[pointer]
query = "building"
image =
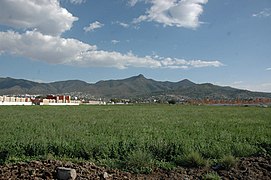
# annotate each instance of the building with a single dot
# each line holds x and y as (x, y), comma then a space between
(48, 100)
(7, 100)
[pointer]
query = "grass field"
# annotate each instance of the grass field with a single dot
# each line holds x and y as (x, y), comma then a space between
(134, 137)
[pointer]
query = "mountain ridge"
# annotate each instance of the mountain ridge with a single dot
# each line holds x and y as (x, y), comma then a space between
(132, 87)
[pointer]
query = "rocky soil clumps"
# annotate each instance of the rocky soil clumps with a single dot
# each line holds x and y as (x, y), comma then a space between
(246, 168)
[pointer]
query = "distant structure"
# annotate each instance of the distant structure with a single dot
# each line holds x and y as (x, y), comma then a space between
(93, 102)
(7, 100)
(58, 100)
(48, 100)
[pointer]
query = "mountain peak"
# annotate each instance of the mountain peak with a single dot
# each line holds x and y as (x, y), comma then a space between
(186, 82)
(141, 76)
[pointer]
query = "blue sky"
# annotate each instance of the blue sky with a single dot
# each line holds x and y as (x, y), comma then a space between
(225, 42)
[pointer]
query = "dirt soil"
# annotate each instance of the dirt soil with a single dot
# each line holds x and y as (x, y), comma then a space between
(246, 168)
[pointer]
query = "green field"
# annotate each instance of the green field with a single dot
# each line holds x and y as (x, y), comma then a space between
(133, 136)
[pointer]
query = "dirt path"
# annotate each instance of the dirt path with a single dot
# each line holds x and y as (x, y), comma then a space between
(247, 168)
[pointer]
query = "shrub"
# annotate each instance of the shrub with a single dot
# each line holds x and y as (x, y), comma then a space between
(193, 159)
(139, 162)
(228, 161)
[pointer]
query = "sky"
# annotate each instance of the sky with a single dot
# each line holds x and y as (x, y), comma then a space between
(225, 42)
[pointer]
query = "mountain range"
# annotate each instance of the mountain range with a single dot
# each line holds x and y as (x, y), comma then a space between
(133, 87)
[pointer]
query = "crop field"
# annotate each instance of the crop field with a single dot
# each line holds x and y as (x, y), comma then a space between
(134, 137)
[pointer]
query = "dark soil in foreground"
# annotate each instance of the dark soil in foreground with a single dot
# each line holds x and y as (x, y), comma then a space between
(246, 168)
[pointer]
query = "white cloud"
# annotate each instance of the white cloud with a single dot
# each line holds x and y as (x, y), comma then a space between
(238, 82)
(77, 1)
(125, 25)
(265, 87)
(268, 69)
(44, 21)
(263, 13)
(132, 2)
(259, 87)
(93, 26)
(115, 41)
(45, 16)
(250, 86)
(57, 50)
(179, 13)
(51, 49)
(184, 64)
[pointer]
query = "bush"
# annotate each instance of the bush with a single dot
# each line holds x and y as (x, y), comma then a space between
(140, 162)
(228, 162)
(194, 159)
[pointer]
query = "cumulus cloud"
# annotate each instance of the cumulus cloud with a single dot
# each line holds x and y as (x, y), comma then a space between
(45, 16)
(268, 69)
(57, 50)
(263, 13)
(93, 26)
(35, 45)
(179, 13)
(43, 21)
